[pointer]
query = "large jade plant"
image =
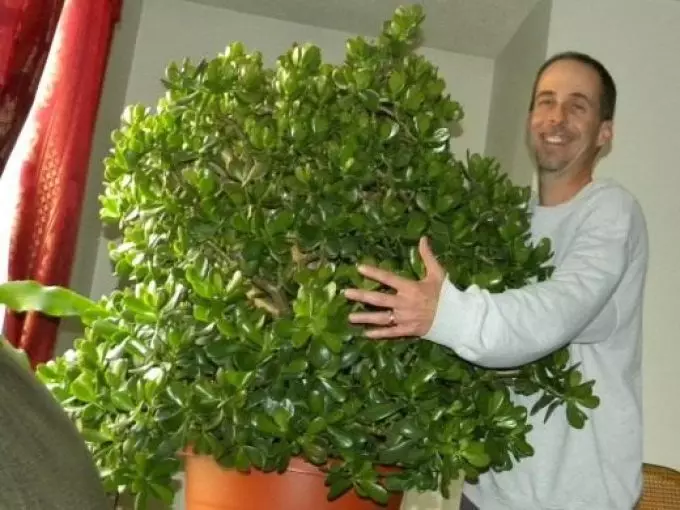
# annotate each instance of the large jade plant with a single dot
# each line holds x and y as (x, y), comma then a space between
(245, 201)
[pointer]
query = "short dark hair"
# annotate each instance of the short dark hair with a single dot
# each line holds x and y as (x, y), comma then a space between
(608, 96)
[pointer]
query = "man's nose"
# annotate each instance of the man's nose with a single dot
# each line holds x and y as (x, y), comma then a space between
(557, 114)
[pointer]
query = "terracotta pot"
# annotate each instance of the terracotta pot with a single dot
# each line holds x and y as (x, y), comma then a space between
(208, 486)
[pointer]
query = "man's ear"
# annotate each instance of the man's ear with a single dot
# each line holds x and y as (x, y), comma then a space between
(606, 133)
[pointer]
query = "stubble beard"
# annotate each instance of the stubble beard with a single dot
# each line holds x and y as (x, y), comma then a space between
(556, 164)
(558, 169)
(549, 164)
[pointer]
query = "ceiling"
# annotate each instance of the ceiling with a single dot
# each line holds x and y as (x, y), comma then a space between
(473, 27)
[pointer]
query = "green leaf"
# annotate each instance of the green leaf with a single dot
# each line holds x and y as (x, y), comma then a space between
(320, 125)
(441, 135)
(256, 456)
(311, 57)
(396, 452)
(83, 387)
(419, 377)
(162, 492)
(296, 367)
(241, 461)
(416, 225)
(574, 378)
(379, 412)
(31, 296)
(388, 130)
(340, 487)
(414, 99)
(334, 389)
(315, 452)
(95, 436)
(122, 400)
(423, 122)
(496, 402)
(316, 425)
(141, 310)
(363, 78)
(300, 338)
(282, 418)
(333, 342)
(374, 491)
(396, 83)
(591, 402)
(396, 483)
(265, 424)
(316, 402)
(371, 99)
(551, 409)
(281, 223)
(542, 402)
(575, 416)
(320, 355)
(475, 454)
(561, 358)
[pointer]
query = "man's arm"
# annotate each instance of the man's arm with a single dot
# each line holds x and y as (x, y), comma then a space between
(520, 326)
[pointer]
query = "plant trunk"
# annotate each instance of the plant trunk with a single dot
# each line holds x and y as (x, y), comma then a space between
(208, 486)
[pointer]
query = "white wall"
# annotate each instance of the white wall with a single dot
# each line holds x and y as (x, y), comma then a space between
(639, 42)
(514, 74)
(9, 195)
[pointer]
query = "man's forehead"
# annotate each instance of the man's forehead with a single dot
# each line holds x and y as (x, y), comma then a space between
(569, 76)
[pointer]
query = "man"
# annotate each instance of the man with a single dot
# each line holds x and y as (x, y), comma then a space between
(593, 303)
(45, 464)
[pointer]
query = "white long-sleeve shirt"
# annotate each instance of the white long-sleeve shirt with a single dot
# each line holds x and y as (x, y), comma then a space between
(593, 303)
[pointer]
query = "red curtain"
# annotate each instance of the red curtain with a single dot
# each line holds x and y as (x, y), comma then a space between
(26, 31)
(50, 162)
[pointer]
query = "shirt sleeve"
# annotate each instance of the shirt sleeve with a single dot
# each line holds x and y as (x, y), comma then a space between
(519, 326)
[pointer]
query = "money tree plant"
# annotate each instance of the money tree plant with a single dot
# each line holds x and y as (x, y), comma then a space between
(245, 201)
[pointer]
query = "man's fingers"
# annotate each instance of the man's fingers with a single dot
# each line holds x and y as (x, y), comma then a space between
(432, 265)
(372, 298)
(378, 318)
(385, 277)
(399, 331)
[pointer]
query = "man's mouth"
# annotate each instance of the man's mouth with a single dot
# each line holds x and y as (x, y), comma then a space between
(555, 139)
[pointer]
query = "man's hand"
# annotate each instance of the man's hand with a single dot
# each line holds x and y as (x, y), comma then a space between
(409, 312)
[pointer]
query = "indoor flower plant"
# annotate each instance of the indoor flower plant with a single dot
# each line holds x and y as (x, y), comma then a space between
(245, 201)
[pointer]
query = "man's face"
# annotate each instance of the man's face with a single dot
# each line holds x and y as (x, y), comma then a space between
(565, 127)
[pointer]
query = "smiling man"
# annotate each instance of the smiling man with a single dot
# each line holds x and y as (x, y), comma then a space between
(594, 296)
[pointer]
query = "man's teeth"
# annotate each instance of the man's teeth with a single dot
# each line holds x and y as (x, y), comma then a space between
(555, 139)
